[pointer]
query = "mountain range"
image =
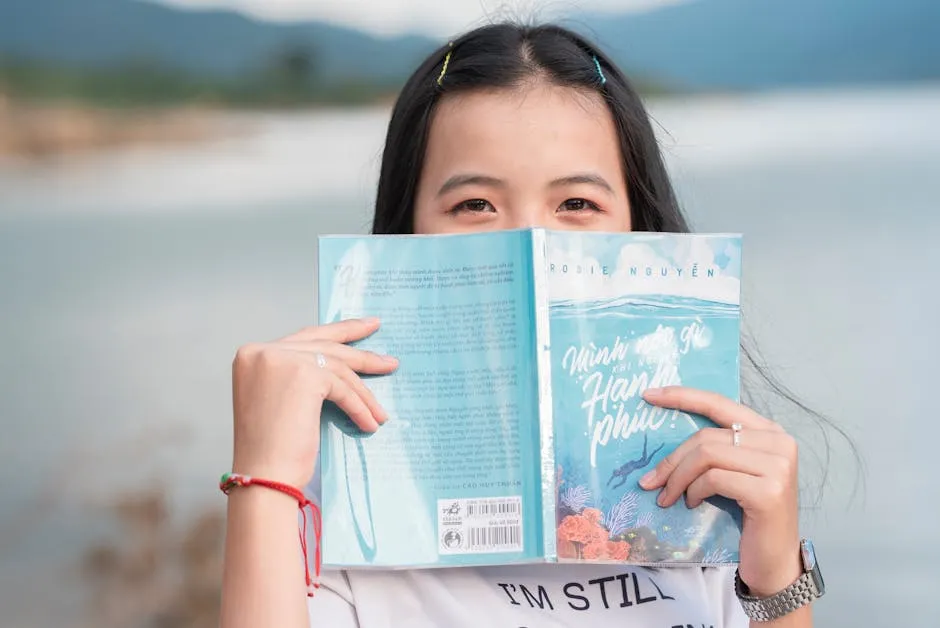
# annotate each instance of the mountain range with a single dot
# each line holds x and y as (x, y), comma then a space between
(701, 44)
(779, 43)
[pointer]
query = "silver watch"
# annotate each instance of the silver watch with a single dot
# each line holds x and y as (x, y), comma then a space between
(804, 590)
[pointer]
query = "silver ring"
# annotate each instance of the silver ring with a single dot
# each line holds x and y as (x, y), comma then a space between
(736, 434)
(321, 360)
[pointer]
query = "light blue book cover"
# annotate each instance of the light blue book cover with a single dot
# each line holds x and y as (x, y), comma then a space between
(631, 312)
(453, 477)
(516, 431)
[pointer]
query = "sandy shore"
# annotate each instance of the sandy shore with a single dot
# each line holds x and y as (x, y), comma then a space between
(38, 130)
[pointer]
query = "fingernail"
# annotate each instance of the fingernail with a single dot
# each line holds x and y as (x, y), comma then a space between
(661, 500)
(652, 392)
(389, 359)
(370, 320)
(647, 480)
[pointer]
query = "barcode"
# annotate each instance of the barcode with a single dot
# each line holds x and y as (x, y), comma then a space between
(479, 525)
(499, 537)
(486, 509)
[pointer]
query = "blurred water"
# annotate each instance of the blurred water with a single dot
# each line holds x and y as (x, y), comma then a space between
(129, 279)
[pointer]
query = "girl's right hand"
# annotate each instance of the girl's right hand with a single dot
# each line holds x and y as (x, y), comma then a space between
(279, 389)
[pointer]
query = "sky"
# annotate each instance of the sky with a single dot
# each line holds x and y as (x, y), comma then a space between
(432, 17)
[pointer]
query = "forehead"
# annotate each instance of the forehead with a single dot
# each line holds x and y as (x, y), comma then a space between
(542, 128)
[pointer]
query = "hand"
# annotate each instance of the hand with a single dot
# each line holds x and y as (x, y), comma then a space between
(279, 389)
(760, 474)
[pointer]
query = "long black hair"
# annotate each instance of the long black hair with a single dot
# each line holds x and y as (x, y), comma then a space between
(506, 56)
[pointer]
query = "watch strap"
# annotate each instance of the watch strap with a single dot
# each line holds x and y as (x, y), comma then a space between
(801, 592)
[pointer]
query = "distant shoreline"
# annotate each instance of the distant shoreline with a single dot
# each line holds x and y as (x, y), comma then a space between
(35, 130)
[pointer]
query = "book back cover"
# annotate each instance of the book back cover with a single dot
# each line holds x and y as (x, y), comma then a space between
(453, 477)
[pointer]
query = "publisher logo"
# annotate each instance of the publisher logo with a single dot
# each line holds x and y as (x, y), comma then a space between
(452, 539)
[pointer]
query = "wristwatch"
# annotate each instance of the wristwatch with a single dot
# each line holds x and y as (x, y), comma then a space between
(804, 590)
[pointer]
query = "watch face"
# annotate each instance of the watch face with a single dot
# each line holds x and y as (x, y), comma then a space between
(811, 566)
(809, 554)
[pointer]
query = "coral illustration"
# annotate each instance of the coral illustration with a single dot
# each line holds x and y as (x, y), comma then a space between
(622, 513)
(583, 536)
(645, 520)
(717, 555)
(575, 498)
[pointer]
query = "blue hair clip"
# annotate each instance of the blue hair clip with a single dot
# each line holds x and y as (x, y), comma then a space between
(600, 72)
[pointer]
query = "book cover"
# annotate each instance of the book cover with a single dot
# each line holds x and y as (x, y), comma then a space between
(453, 477)
(631, 312)
(516, 430)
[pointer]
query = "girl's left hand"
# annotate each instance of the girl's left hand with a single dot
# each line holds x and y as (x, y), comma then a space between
(760, 474)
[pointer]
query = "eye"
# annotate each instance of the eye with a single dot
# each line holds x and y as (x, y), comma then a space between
(578, 205)
(474, 205)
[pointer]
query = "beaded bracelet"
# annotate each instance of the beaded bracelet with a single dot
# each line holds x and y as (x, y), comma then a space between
(231, 480)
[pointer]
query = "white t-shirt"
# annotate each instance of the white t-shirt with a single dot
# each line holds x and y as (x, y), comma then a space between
(543, 596)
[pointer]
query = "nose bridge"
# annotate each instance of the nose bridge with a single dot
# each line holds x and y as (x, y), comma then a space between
(528, 213)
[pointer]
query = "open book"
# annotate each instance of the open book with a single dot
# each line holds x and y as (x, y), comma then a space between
(517, 431)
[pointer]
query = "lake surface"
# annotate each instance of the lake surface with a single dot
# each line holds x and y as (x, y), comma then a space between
(129, 279)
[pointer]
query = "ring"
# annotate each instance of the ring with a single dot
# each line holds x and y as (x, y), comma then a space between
(321, 360)
(736, 434)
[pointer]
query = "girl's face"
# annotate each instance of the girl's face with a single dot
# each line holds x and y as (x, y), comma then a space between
(543, 156)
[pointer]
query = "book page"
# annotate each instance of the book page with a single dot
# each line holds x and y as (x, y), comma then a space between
(449, 478)
(630, 312)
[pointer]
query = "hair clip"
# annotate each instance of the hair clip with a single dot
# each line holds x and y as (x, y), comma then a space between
(440, 78)
(600, 72)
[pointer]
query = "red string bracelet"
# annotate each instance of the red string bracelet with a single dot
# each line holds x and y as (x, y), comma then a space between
(231, 480)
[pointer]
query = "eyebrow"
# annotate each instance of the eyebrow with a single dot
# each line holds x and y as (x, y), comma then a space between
(584, 178)
(460, 180)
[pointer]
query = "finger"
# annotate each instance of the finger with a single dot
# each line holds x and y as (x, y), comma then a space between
(741, 487)
(345, 397)
(353, 381)
(359, 360)
(718, 408)
(343, 331)
(778, 443)
(714, 456)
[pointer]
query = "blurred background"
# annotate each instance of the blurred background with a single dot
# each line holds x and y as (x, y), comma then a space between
(165, 168)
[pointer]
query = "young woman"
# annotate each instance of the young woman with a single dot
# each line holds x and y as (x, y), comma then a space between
(507, 127)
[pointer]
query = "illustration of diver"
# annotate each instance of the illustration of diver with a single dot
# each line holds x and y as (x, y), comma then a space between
(633, 465)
